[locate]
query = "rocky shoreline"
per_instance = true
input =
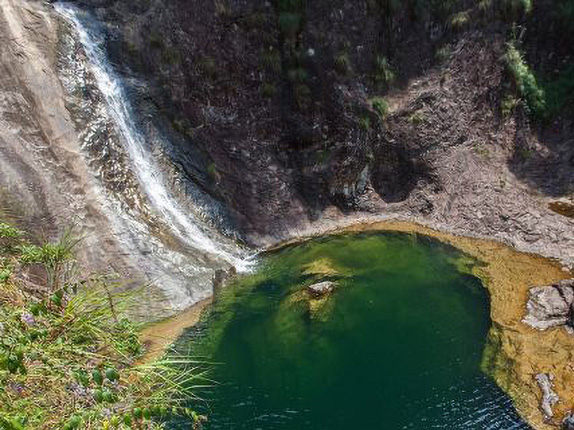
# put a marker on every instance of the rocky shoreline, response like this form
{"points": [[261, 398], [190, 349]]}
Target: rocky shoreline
{"points": [[532, 366]]}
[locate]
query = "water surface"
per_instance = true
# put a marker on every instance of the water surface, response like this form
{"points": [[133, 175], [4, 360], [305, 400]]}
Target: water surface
{"points": [[397, 346]]}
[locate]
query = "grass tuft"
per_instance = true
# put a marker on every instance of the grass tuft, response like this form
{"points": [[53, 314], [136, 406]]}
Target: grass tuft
{"points": [[68, 352]]}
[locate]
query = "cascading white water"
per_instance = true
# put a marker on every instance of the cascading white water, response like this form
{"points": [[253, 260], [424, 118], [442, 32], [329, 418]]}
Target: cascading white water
{"points": [[184, 225]]}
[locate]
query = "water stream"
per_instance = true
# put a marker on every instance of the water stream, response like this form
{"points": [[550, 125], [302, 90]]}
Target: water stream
{"points": [[182, 223]]}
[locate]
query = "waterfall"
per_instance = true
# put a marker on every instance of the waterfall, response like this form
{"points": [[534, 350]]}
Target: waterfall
{"points": [[185, 226]]}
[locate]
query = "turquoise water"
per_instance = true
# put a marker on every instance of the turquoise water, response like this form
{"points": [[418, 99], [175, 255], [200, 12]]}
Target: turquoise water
{"points": [[398, 345]]}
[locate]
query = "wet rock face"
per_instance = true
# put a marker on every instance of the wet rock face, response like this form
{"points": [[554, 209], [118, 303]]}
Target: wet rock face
{"points": [[551, 306]]}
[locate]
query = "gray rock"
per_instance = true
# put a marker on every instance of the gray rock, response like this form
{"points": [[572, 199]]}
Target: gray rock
{"points": [[321, 289], [549, 397], [550, 306], [568, 422]]}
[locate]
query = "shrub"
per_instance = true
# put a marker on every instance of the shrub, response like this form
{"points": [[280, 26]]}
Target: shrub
{"points": [[560, 92], [290, 23], [484, 5], [171, 56], [415, 118], [343, 63], [460, 20], [384, 74], [271, 60], [207, 65], [564, 15], [302, 95], [155, 40], [380, 106], [365, 123], [257, 19], [526, 84], [268, 90], [507, 105], [297, 74], [443, 53], [515, 8], [67, 361]]}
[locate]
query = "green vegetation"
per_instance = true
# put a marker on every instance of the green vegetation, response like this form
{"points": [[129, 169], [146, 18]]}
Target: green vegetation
{"points": [[290, 23], [508, 105], [564, 14], [387, 7], [207, 65], [380, 106], [384, 74], [415, 118], [443, 53], [257, 20], [526, 84], [171, 56], [517, 7], [297, 75], [560, 92], [343, 63], [68, 353], [268, 90], [155, 40], [271, 60], [365, 123], [460, 20]]}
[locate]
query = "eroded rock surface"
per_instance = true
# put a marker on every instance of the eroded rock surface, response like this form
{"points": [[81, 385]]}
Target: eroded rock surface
{"points": [[551, 306], [549, 397]]}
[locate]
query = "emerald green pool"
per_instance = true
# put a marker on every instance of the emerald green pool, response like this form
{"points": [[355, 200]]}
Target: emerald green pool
{"points": [[398, 344]]}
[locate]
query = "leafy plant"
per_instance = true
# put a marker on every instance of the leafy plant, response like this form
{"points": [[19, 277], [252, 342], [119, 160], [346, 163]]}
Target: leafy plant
{"points": [[526, 84], [342, 62], [460, 20], [564, 15], [443, 53], [297, 75], [384, 74], [380, 106], [515, 8], [268, 90], [365, 123], [290, 23], [560, 92], [271, 60], [67, 361], [508, 105], [207, 65]]}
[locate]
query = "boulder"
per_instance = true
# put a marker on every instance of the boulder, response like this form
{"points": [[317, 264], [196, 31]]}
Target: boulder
{"points": [[321, 289], [550, 306], [568, 422], [549, 397]]}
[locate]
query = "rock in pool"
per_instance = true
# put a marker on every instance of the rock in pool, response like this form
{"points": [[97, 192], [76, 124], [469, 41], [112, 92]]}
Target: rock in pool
{"points": [[321, 289]]}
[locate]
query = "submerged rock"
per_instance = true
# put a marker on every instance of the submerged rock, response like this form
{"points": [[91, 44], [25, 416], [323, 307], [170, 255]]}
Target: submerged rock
{"points": [[551, 306], [321, 289], [322, 268], [549, 397]]}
